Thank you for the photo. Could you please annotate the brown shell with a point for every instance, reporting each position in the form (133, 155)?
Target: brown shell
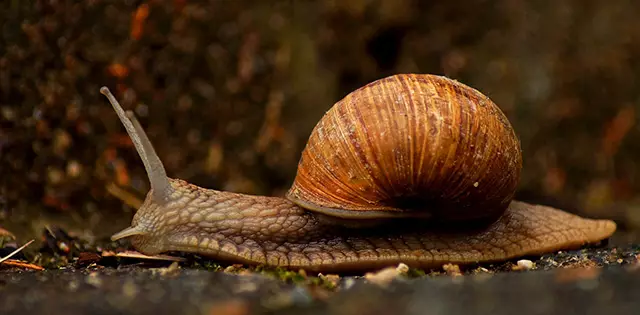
(410, 145)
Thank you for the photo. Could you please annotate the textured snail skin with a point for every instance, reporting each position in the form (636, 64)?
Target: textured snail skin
(274, 231)
(178, 216)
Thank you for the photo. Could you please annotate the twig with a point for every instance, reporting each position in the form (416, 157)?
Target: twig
(15, 263)
(134, 254)
(16, 251)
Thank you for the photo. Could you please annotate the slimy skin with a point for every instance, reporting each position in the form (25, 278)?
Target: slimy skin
(240, 228)
(274, 231)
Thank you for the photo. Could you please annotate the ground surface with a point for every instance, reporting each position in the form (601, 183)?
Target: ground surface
(138, 291)
(588, 281)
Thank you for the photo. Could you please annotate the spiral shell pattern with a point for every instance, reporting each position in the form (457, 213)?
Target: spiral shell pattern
(410, 145)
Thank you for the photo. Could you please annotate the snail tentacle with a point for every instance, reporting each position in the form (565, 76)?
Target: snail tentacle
(130, 231)
(153, 165)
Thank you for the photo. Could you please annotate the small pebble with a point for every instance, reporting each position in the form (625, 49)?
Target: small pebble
(523, 264)
(173, 269)
(452, 270)
(332, 279)
(402, 268)
(386, 275)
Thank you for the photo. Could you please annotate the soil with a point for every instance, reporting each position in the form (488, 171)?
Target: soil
(590, 281)
(79, 277)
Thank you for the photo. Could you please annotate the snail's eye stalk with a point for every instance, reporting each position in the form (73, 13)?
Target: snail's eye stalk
(155, 170)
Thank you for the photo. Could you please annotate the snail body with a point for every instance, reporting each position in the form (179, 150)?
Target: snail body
(417, 169)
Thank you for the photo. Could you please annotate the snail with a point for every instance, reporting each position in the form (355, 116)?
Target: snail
(412, 168)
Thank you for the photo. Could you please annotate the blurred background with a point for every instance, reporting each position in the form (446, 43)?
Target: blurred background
(229, 91)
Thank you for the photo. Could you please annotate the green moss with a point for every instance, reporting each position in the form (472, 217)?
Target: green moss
(281, 273)
(205, 265)
(299, 277)
(416, 273)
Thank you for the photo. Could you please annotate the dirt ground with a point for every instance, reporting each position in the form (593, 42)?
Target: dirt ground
(590, 281)
(69, 276)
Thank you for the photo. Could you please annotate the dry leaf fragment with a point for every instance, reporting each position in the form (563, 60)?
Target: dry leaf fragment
(134, 254)
(20, 264)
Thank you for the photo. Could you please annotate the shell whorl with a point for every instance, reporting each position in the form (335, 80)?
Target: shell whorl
(410, 146)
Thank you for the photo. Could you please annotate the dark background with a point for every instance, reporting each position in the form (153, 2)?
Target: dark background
(228, 92)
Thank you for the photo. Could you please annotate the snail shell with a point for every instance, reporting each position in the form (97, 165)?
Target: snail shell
(410, 146)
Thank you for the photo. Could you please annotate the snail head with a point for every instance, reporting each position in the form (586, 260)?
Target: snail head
(147, 222)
